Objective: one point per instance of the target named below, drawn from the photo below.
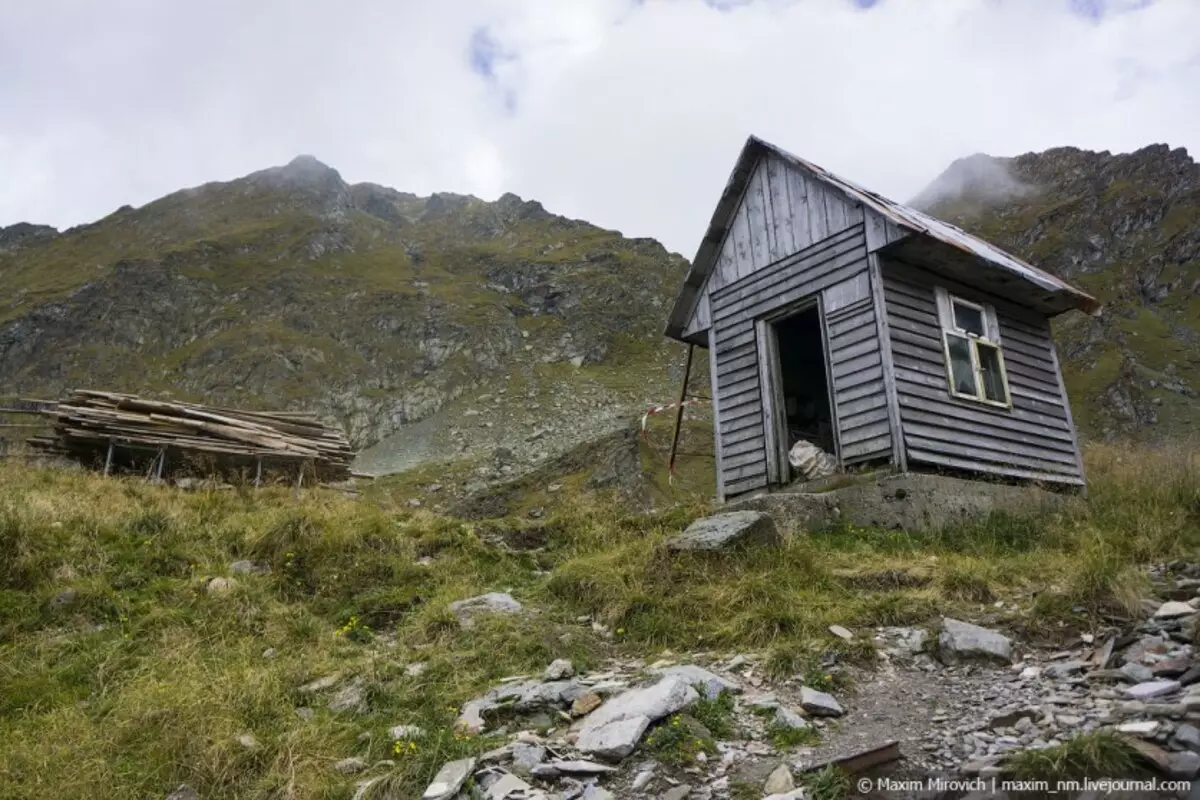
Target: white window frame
(991, 337)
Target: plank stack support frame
(93, 427)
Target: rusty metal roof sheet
(907, 218)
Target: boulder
(613, 730)
(723, 531)
(491, 603)
(709, 684)
(1173, 609)
(786, 718)
(780, 781)
(559, 669)
(819, 704)
(1151, 689)
(449, 780)
(962, 640)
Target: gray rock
(819, 704)
(449, 780)
(581, 767)
(63, 599)
(786, 718)
(527, 756)
(1139, 673)
(595, 792)
(1146, 691)
(731, 529)
(1184, 765)
(321, 684)
(642, 780)
(1188, 736)
(780, 781)
(962, 640)
(710, 684)
(248, 741)
(241, 567)
(1143, 728)
(1173, 609)
(349, 698)
(406, 732)
(184, 792)
(491, 603)
(508, 785)
(613, 730)
(1065, 669)
(559, 669)
(841, 633)
(305, 713)
(350, 766)
(219, 587)
(677, 793)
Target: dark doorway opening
(803, 381)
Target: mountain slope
(290, 288)
(1125, 228)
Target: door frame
(771, 384)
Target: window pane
(962, 373)
(968, 319)
(991, 372)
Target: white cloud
(626, 114)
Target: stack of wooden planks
(90, 426)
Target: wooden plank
(917, 390)
(871, 387)
(749, 444)
(983, 439)
(802, 232)
(840, 353)
(761, 233)
(804, 260)
(860, 432)
(858, 377)
(829, 382)
(868, 448)
(781, 208)
(792, 287)
(970, 453)
(716, 412)
(818, 219)
(992, 427)
(1062, 391)
(866, 331)
(867, 401)
(768, 381)
(843, 325)
(937, 459)
(855, 364)
(743, 251)
(846, 293)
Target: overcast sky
(628, 113)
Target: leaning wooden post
(687, 372)
(162, 461)
(258, 473)
(108, 458)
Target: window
(974, 363)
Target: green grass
(145, 680)
(1091, 755)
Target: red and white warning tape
(660, 409)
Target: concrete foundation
(908, 501)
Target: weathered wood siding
(1035, 439)
(833, 265)
(782, 211)
(855, 359)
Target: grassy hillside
(289, 288)
(125, 670)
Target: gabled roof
(908, 219)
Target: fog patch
(976, 180)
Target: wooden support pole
(258, 473)
(162, 462)
(687, 373)
(108, 458)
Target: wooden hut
(872, 330)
